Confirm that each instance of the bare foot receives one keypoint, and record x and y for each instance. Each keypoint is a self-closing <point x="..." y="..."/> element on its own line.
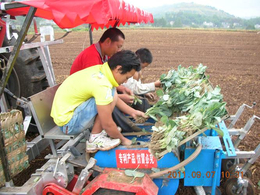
<point x="126" y="142"/>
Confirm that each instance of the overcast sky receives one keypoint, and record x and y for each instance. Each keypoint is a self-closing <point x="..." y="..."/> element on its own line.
<point x="239" y="8"/>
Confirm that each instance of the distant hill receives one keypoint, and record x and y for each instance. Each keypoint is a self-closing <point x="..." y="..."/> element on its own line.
<point x="192" y="8"/>
<point x="198" y="16"/>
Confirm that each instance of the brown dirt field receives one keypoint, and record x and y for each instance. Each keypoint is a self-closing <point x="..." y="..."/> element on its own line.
<point x="232" y="58"/>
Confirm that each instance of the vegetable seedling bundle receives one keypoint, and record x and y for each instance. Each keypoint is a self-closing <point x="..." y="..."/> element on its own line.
<point x="187" y="104"/>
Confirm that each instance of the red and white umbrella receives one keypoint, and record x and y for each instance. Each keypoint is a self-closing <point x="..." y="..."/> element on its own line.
<point x="98" y="13"/>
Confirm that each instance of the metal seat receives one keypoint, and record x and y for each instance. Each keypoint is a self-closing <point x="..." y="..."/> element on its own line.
<point x="40" y="105"/>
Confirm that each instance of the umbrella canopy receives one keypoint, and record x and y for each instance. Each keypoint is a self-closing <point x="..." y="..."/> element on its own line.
<point x="98" y="13"/>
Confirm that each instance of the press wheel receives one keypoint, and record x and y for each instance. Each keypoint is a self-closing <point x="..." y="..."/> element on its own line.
<point x="247" y="174"/>
<point x="231" y="187"/>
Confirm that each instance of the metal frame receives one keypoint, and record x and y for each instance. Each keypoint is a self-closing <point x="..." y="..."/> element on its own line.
<point x="7" y="73"/>
<point x="45" y="175"/>
<point x="9" y="49"/>
<point x="40" y="106"/>
<point x="235" y="117"/>
<point x="16" y="49"/>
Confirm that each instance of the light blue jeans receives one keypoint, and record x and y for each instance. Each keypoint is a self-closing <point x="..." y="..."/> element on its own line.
<point x="83" y="117"/>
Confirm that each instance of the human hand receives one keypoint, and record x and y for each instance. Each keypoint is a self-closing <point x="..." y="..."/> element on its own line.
<point x="128" y="99"/>
<point x="150" y="96"/>
<point x="139" y="113"/>
<point x="157" y="83"/>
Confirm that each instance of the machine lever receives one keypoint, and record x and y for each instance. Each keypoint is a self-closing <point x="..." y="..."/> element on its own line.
<point x="84" y="175"/>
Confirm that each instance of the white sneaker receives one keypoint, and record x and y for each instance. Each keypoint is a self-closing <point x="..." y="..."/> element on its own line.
<point x="103" y="132"/>
<point x="103" y="143"/>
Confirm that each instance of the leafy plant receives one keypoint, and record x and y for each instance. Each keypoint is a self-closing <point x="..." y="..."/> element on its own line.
<point x="134" y="174"/>
<point x="137" y="100"/>
<point x="187" y="104"/>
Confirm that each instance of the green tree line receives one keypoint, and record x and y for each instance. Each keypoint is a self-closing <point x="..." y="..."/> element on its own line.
<point x="184" y="19"/>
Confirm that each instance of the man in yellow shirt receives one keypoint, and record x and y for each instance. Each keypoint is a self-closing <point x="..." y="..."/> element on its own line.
<point x="87" y="98"/>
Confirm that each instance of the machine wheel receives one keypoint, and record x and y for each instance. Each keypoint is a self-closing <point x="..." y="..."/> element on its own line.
<point x="231" y="187"/>
<point x="228" y="163"/>
<point x="247" y="174"/>
<point x="28" y="76"/>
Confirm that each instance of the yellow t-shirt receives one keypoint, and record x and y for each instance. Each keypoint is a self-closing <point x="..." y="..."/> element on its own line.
<point x="96" y="81"/>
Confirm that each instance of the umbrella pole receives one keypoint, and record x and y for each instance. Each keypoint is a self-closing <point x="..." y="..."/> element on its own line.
<point x="90" y="35"/>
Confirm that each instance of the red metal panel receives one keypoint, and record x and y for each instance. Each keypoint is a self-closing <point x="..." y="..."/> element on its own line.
<point x="55" y="189"/>
<point x="2" y="31"/>
<point x="117" y="180"/>
<point x="72" y="183"/>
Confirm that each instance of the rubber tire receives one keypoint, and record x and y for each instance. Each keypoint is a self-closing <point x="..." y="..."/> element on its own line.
<point x="29" y="69"/>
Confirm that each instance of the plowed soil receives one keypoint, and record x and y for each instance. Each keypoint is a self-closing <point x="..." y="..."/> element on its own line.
<point x="232" y="58"/>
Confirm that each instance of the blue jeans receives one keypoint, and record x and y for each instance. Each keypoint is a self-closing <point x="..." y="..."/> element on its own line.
<point x="83" y="117"/>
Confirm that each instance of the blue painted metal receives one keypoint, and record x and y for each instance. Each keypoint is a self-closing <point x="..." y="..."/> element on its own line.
<point x="143" y="138"/>
<point x="201" y="171"/>
<point x="209" y="132"/>
<point x="108" y="158"/>
<point x="166" y="186"/>
<point x="230" y="149"/>
<point x="217" y="170"/>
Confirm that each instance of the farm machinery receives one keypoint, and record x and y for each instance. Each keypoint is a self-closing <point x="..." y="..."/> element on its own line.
<point x="202" y="160"/>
